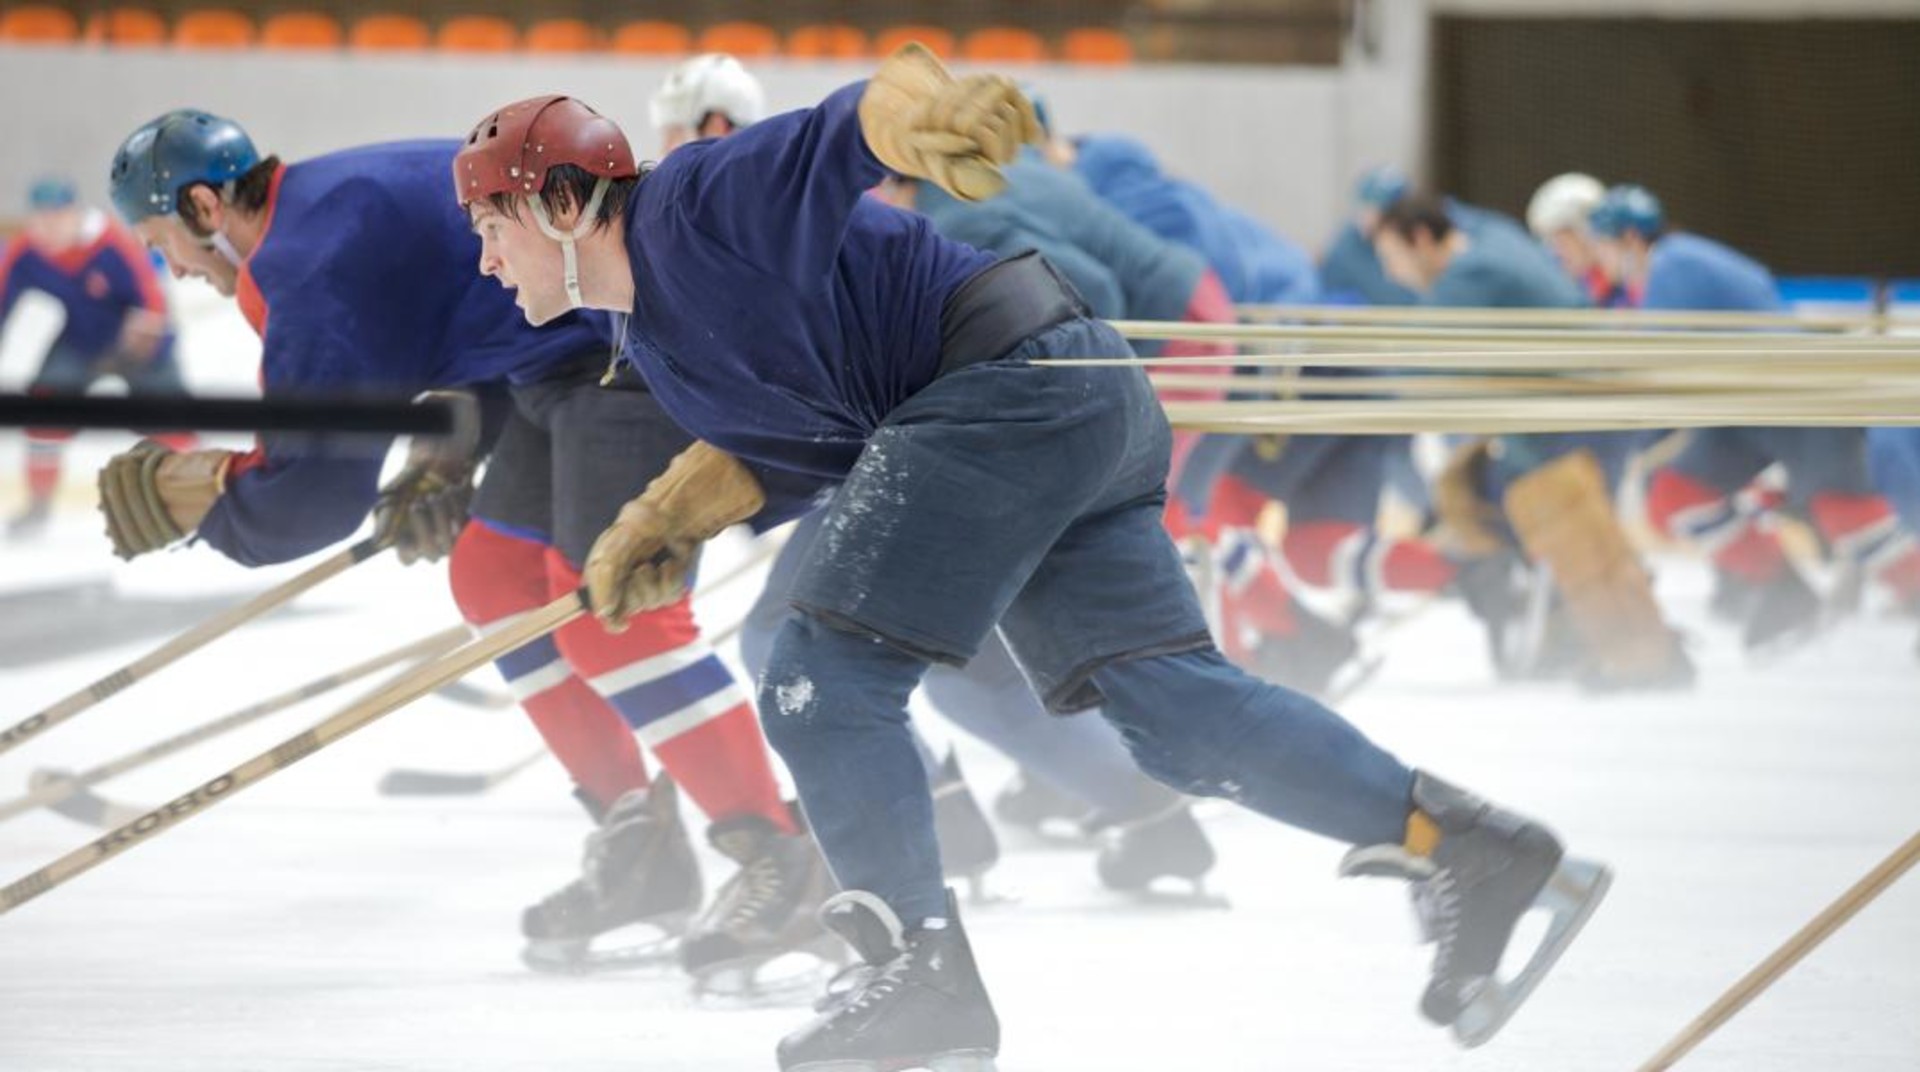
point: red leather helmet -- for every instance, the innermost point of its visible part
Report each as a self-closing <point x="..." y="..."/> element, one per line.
<point x="511" y="151"/>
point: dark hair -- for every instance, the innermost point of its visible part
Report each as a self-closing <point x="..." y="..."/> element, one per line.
<point x="1417" y="212"/>
<point x="569" y="185"/>
<point x="250" y="192"/>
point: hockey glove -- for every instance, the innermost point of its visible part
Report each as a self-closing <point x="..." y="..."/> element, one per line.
<point x="153" y="496"/>
<point x="641" y="562"/>
<point x="421" y="511"/>
<point x="922" y="122"/>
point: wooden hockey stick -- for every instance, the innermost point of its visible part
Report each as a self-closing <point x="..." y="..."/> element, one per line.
<point x="192" y="640"/>
<point x="410" y="782"/>
<point x="1182" y="329"/>
<point x="51" y="788"/>
<point x="1587" y="318"/>
<point x="1760" y="361"/>
<point x="1751" y="985"/>
<point x="409" y="687"/>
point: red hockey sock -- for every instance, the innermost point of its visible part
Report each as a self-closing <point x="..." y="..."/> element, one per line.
<point x="1754" y="555"/>
<point x="43" y="469"/>
<point x="1682" y="508"/>
<point x="1345" y="554"/>
<point x="495" y="578"/>
<point x="681" y="701"/>
<point x="1865" y="529"/>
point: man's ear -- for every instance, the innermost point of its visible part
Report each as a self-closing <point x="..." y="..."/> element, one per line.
<point x="208" y="211"/>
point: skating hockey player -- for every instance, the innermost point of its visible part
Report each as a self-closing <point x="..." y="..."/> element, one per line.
<point x="1147" y="831"/>
<point x="1705" y="493"/>
<point x="115" y="323"/>
<point x="357" y="273"/>
<point x="796" y="325"/>
<point x="1559" y="215"/>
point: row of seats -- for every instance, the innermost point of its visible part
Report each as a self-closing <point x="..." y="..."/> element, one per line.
<point x="309" y="30"/>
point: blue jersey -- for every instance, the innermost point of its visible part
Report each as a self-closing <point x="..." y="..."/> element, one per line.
<point x="1351" y="271"/>
<point x="1003" y="226"/>
<point x="1154" y="278"/>
<point x="99" y="282"/>
<point x="1504" y="269"/>
<point x="1686" y="271"/>
<point x="1894" y="455"/>
<point x="778" y="313"/>
<point x="1253" y="263"/>
<point x="364" y="283"/>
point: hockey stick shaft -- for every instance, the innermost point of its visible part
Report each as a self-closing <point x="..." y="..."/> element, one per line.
<point x="425" y="647"/>
<point x="1770" y="970"/>
<point x="1429" y="316"/>
<point x="409" y="687"/>
<point x="190" y="641"/>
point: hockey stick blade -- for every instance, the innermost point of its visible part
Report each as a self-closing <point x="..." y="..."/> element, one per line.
<point x="474" y="696"/>
<point x="422" y="783"/>
<point x="82" y="804"/>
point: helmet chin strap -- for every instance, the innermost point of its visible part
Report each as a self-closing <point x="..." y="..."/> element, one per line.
<point x="569" y="251"/>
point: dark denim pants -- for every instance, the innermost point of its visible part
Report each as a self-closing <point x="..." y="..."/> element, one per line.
<point x="1031" y="497"/>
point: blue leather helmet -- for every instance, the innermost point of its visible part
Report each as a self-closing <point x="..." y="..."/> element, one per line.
<point x="1629" y="208"/>
<point x="178" y="149"/>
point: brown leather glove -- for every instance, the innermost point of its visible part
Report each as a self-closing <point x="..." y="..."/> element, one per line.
<point x="421" y="510"/>
<point x="922" y="122"/>
<point x="153" y="496"/>
<point x="641" y="562"/>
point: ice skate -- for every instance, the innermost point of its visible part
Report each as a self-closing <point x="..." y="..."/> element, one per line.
<point x="639" y="885"/>
<point x="1785" y="612"/>
<point x="915" y="1002"/>
<point x="1476" y="870"/>
<point x="968" y="845"/>
<point x="765" y="912"/>
<point x="1144" y="857"/>
<point x="1033" y="806"/>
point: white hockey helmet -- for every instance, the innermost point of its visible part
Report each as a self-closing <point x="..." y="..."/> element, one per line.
<point x="703" y="85"/>
<point x="1563" y="203"/>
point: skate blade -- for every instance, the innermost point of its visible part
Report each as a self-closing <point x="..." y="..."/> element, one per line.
<point x="956" y="1061"/>
<point x="1571" y="895"/>
<point x="1352" y="677"/>
<point x="634" y="947"/>
<point x="794" y="976"/>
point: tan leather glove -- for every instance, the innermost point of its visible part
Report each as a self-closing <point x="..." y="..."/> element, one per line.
<point x="422" y="509"/>
<point x="923" y="122"/>
<point x="641" y="562"/>
<point x="153" y="496"/>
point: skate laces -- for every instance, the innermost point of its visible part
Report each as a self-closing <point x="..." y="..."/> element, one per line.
<point x="755" y="888"/>
<point x="1436" y="903"/>
<point x="880" y="982"/>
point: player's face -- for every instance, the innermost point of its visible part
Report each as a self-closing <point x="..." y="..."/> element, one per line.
<point x="188" y="256"/>
<point x="1399" y="259"/>
<point x="523" y="260"/>
<point x="55" y="228"/>
<point x="1574" y="249"/>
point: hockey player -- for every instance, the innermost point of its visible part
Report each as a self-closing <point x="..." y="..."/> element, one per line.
<point x="797" y="326"/>
<point x="358" y="276"/>
<point x="1147" y="830"/>
<point x="116" y="322"/>
<point x="1554" y="491"/>
<point x="1350" y="269"/>
<point x="1894" y="455"/>
<point x="1331" y="485"/>
<point x="1703" y="493"/>
<point x="1558" y="215"/>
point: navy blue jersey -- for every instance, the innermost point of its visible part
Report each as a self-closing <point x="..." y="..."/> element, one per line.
<point x="1351" y="271"/>
<point x="365" y="283"/>
<point x="1006" y="227"/>
<point x="98" y="281"/>
<point x="1504" y="268"/>
<point x="1253" y="263"/>
<point x="779" y="313"/>
<point x="1687" y="271"/>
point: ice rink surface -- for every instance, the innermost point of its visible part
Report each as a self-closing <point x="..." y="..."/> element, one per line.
<point x="309" y="923"/>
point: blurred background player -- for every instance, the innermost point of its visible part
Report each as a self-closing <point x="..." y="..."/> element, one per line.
<point x="357" y="271"/>
<point x="116" y="322"/>
<point x="1559" y="215"/>
<point x="1707" y="494"/>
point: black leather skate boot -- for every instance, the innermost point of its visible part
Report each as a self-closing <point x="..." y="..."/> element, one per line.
<point x="768" y="908"/>
<point x="1032" y="804"/>
<point x="1167" y="844"/>
<point x="639" y="868"/>
<point x="919" y="1004"/>
<point x="1476" y="869"/>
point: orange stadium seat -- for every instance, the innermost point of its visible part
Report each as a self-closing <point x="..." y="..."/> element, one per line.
<point x="213" y="27"/>
<point x="651" y="37"/>
<point x="1003" y="44"/>
<point x="301" y="30"/>
<point x="832" y="41"/>
<point x="562" y="35"/>
<point x="477" y="33"/>
<point x="389" y="33"/>
<point x="1093" y="44"/>
<point x="125" y="27"/>
<point x="743" y="39"/>
<point x="39" y="25"/>
<point x="937" y="40"/>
